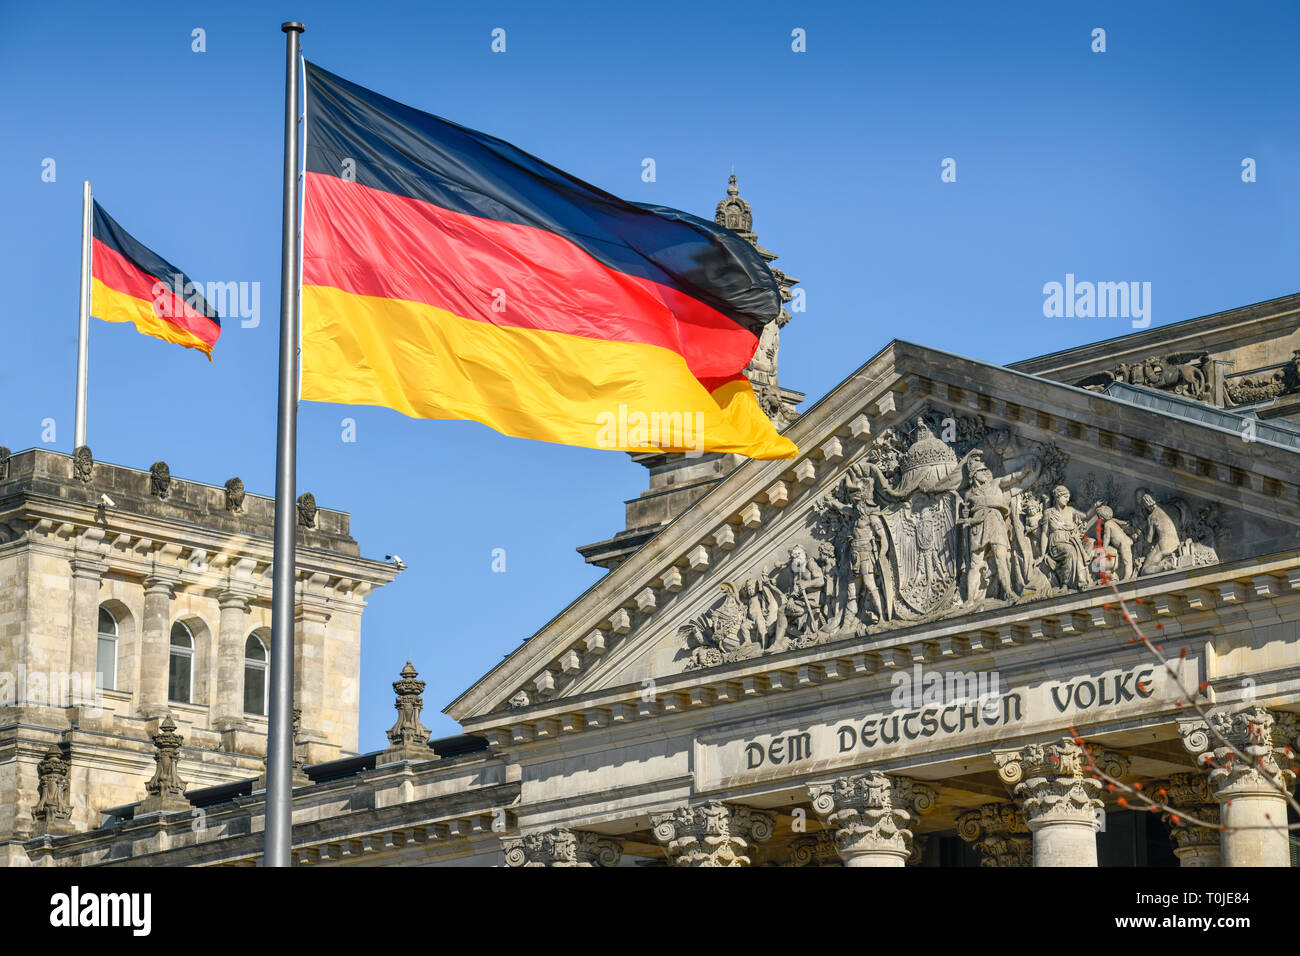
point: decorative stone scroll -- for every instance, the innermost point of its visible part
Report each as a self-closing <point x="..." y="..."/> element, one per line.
<point x="815" y="849"/>
<point x="561" y="846"/>
<point x="712" y="834"/>
<point x="869" y="815"/>
<point x="999" y="834"/>
<point x="913" y="533"/>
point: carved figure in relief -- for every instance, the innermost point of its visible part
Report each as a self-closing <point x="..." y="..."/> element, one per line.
<point x="1115" y="540"/>
<point x="987" y="509"/>
<point x="1062" y="541"/>
<point x="802" y="607"/>
<point x="869" y="556"/>
<point x="1161" y="537"/>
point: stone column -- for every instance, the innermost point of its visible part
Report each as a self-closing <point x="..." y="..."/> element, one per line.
<point x="83" y="656"/>
<point x="1191" y="798"/>
<point x="560" y="846"/>
<point x="869" y="814"/>
<point x="714" y="834"/>
<point x="999" y="833"/>
<point x="1251" y="792"/>
<point x="155" y="643"/>
<point x="232" y="632"/>
<point x="1058" y="795"/>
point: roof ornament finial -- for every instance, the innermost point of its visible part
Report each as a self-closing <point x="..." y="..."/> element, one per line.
<point x="732" y="188"/>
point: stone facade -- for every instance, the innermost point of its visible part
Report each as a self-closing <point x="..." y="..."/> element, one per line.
<point x="91" y="551"/>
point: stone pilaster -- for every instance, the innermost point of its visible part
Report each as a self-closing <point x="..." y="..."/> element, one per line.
<point x="166" y="788"/>
<point x="869" y="814"/>
<point x="1191" y="798"/>
<point x="311" y="617"/>
<point x="1059" y="797"/>
<point x="155" y="644"/>
<point x="713" y="834"/>
<point x="408" y="738"/>
<point x="232" y="633"/>
<point x="1251" y="792"/>
<point x="87" y="573"/>
<point x="561" y="846"/>
<point x="999" y="834"/>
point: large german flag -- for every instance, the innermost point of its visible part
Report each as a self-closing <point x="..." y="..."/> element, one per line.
<point x="448" y="274"/>
<point x="131" y="283"/>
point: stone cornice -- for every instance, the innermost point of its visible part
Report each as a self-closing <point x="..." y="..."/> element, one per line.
<point x="1184" y="602"/>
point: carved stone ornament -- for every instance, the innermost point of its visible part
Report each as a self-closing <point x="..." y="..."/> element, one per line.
<point x="562" y="847"/>
<point x="306" y="510"/>
<point x="1183" y="373"/>
<point x="920" y="528"/>
<point x="1191" y="798"/>
<point x="713" y="834"/>
<point x="1053" y="783"/>
<point x="235" y="495"/>
<point x="999" y="834"/>
<point x="1265" y="385"/>
<point x="166" y="788"/>
<point x="5" y="454"/>
<point x="408" y="738"/>
<point x="83" y="463"/>
<point x="815" y="849"/>
<point x="1254" y="731"/>
<point x="53" y="805"/>
<point x="869" y="813"/>
<point x="160" y="479"/>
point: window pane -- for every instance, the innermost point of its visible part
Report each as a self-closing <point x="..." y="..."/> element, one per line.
<point x="106" y="663"/>
<point x="178" y="678"/>
<point x="255" y="690"/>
<point x="253" y="649"/>
<point x="107" y="623"/>
<point x="181" y="636"/>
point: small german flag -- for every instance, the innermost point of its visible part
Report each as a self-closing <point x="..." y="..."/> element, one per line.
<point x="449" y="274"/>
<point x="131" y="283"/>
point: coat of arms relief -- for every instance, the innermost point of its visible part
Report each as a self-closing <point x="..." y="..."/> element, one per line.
<point x="946" y="517"/>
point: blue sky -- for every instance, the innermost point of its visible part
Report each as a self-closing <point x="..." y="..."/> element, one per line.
<point x="1115" y="166"/>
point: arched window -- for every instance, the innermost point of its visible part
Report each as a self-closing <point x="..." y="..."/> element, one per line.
<point x="254" y="675"/>
<point x="106" y="651"/>
<point x="180" y="671"/>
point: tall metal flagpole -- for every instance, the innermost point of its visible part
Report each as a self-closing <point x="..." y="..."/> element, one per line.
<point x="83" y="327"/>
<point x="279" y="755"/>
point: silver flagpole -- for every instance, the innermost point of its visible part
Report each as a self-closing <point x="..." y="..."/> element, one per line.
<point x="279" y="754"/>
<point x="83" y="327"/>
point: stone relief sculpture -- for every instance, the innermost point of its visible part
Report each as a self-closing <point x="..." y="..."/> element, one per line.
<point x="919" y="528"/>
<point x="1249" y="389"/>
<point x="160" y="479"/>
<point x="83" y="463"/>
<point x="306" y="510"/>
<point x="235" y="495"/>
<point x="53" y="774"/>
<point x="4" y="462"/>
<point x="1183" y="373"/>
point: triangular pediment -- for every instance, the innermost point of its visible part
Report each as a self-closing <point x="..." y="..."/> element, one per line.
<point x="925" y="493"/>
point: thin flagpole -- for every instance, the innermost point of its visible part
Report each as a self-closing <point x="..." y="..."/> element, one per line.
<point x="279" y="755"/>
<point x="83" y="326"/>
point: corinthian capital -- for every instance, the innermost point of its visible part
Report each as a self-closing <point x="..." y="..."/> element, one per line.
<point x="712" y="834"/>
<point x="561" y="846"/>
<point x="870" y="812"/>
<point x="1256" y="733"/>
<point x="999" y="833"/>
<point x="1054" y="782"/>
